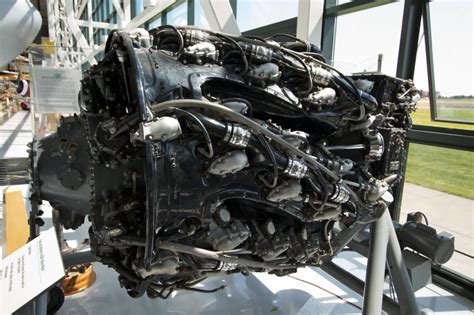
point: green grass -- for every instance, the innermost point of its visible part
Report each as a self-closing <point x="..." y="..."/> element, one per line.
<point x="441" y="169"/>
<point x="437" y="168"/>
<point x="467" y="103"/>
<point x="462" y="114"/>
<point x="422" y="117"/>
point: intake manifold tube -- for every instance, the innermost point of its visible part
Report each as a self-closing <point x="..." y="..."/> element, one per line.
<point x="229" y="113"/>
<point x="204" y="253"/>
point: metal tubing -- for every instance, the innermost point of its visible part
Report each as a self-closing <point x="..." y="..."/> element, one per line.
<point x="344" y="237"/>
<point x="398" y="271"/>
<point x="204" y="253"/>
<point x="58" y="227"/>
<point x="83" y="256"/>
<point x="374" y="280"/>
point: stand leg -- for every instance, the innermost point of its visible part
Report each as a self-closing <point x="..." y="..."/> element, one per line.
<point x="374" y="280"/>
<point x="346" y="236"/>
<point x="59" y="229"/>
<point x="398" y="271"/>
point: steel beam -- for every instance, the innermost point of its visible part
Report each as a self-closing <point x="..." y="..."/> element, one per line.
<point x="310" y="20"/>
<point x="233" y="4"/>
<point x="94" y="24"/>
<point x="344" y="237"/>
<point x="191" y="11"/>
<point x="410" y="32"/>
<point x="127" y="11"/>
<point x="429" y="59"/>
<point x="76" y="31"/>
<point x="328" y="42"/>
<point x="90" y="57"/>
<point x="442" y="137"/>
<point x="220" y="16"/>
<point x="52" y="20"/>
<point x="354" y="6"/>
<point x="149" y="13"/>
<point x="286" y="26"/>
<point x="90" y="28"/>
<point x="80" y="6"/>
<point x="409" y="38"/>
<point x="120" y="13"/>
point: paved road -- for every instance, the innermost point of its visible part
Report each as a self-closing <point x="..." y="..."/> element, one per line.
<point x="448" y="213"/>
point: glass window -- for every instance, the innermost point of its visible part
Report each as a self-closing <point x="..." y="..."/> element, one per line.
<point x="154" y="23"/>
<point x="137" y="7"/>
<point x="256" y="13"/>
<point x="178" y="15"/>
<point x="452" y="32"/>
<point x="440" y="183"/>
<point x="363" y="35"/>
<point x="199" y="17"/>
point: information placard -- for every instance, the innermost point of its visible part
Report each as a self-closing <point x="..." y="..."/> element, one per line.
<point x="55" y="90"/>
<point x="30" y="270"/>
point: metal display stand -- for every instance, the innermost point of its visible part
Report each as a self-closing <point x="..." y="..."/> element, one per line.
<point x="383" y="251"/>
<point x="384" y="247"/>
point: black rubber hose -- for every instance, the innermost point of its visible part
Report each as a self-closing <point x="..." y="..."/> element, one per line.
<point x="193" y="117"/>
<point x="229" y="113"/>
<point x="271" y="155"/>
<point x="242" y="52"/>
<point x="219" y="129"/>
<point x="178" y="34"/>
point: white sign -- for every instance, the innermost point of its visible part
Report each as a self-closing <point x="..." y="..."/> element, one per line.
<point x="55" y="90"/>
<point x="30" y="270"/>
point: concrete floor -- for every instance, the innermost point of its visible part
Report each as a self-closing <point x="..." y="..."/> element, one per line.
<point x="309" y="291"/>
<point x="15" y="133"/>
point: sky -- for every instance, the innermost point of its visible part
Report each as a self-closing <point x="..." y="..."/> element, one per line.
<point x="361" y="36"/>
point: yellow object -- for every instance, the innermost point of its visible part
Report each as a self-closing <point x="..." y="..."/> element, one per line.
<point x="77" y="279"/>
<point x="15" y="220"/>
<point x="48" y="47"/>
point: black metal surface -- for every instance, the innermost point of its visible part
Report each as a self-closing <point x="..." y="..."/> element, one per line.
<point x="191" y="11"/>
<point x="233" y="5"/>
<point x="354" y="6"/>
<point x="286" y="26"/>
<point x="328" y="42"/>
<point x="425" y="240"/>
<point x="429" y="59"/>
<point x="411" y="23"/>
<point x="74" y="258"/>
<point x="453" y="282"/>
<point x="442" y="137"/>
